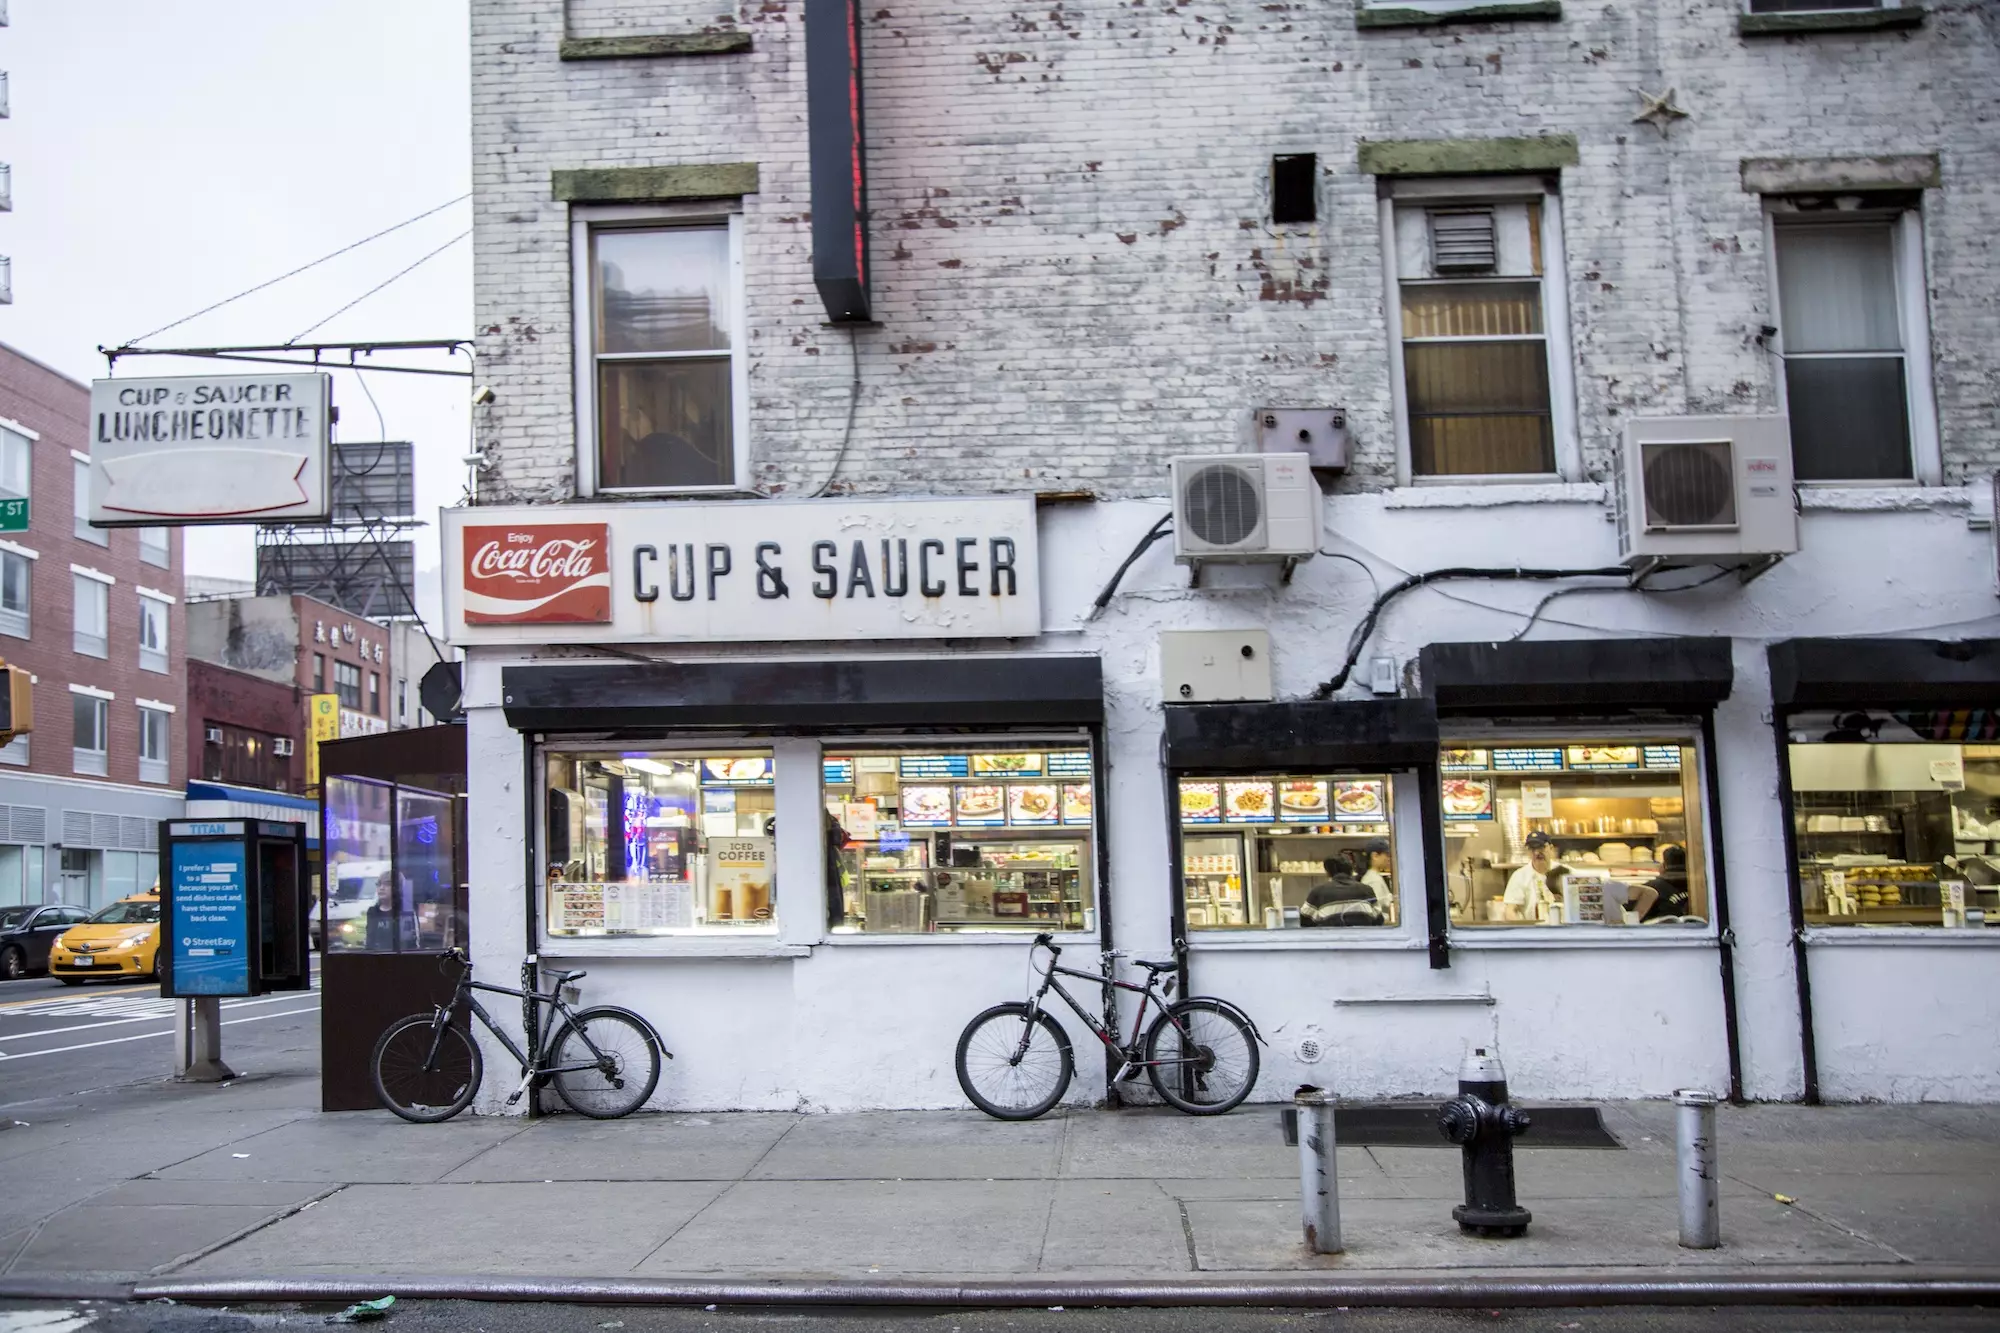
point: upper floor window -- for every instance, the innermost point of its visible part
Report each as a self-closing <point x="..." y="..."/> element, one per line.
<point x="319" y="673"/>
<point x="153" y="743"/>
<point x="661" y="388"/>
<point x="84" y="532"/>
<point x="91" y="727"/>
<point x="152" y="634"/>
<point x="16" y="465"/>
<point x="347" y="684"/>
<point x="153" y="548"/>
<point x="17" y="581"/>
<point x="1851" y="322"/>
<point x="93" y="615"/>
<point x="375" y="693"/>
<point x="1484" y="340"/>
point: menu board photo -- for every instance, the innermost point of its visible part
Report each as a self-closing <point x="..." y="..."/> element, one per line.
<point x="1077" y="804"/>
<point x="1302" y="798"/>
<point x="1587" y="757"/>
<point x="1033" y="803"/>
<point x="1468" y="798"/>
<point x="1465" y="761"/>
<point x="737" y="772"/>
<point x="1250" y="802"/>
<point x="1008" y="765"/>
<point x="1363" y="799"/>
<point x="926" y="807"/>
<point x="981" y="805"/>
<point x="1201" y="802"/>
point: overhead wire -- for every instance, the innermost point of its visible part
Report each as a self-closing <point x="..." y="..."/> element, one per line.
<point x="398" y="276"/>
<point x="249" y="291"/>
<point x="853" y="403"/>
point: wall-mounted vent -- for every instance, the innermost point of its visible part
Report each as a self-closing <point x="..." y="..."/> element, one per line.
<point x="1463" y="240"/>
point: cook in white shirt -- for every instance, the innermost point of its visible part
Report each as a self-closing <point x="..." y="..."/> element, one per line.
<point x="1528" y="887"/>
<point x="1381" y="865"/>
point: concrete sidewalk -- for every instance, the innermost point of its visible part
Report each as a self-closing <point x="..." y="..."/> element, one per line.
<point x="249" y="1180"/>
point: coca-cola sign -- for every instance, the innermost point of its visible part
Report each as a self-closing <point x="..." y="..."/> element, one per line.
<point x="537" y="574"/>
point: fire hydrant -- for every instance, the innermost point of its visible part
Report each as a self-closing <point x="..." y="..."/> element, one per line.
<point x="1481" y="1122"/>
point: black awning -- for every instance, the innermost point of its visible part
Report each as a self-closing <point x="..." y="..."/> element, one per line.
<point x="1302" y="734"/>
<point x="760" y="695"/>
<point x="1576" y="675"/>
<point x="1885" y="673"/>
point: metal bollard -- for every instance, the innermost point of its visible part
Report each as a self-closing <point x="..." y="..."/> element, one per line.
<point x="1319" y="1185"/>
<point x="1694" y="1155"/>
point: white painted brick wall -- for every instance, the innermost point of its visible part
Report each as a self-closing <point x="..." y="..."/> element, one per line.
<point x="1073" y="269"/>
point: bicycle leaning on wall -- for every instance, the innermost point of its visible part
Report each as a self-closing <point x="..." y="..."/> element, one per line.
<point x="603" y="1061"/>
<point x="1014" y="1060"/>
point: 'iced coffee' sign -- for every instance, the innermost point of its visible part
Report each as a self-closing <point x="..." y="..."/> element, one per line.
<point x="209" y="449"/>
<point x="743" y="571"/>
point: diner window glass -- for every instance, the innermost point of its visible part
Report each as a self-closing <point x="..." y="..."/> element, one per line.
<point x="426" y="868"/>
<point x="367" y="909"/>
<point x="1284" y="851"/>
<point x="1604" y="831"/>
<point x="652" y="842"/>
<point x="1896" y="817"/>
<point x="951" y="838"/>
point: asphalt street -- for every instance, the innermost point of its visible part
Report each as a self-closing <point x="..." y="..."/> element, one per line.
<point x="475" y="1317"/>
<point x="58" y="1040"/>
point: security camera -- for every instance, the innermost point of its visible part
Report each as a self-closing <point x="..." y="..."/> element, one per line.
<point x="483" y="395"/>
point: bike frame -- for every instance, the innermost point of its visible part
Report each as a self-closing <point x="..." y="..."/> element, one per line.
<point x="1107" y="983"/>
<point x="538" y="1069"/>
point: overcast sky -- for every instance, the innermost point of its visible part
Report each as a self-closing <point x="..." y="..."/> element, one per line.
<point x="168" y="155"/>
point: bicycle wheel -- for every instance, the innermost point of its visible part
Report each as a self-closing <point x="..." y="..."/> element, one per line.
<point x="1013" y="1069"/>
<point x="415" y="1092"/>
<point x="1201" y="1057"/>
<point x="624" y="1062"/>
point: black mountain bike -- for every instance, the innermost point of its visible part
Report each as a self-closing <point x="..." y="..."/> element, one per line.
<point x="1014" y="1060"/>
<point x="603" y="1061"/>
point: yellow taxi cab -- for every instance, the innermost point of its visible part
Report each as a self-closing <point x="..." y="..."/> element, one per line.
<point x="122" y="940"/>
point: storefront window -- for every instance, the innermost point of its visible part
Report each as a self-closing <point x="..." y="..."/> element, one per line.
<point x="660" y="843"/>
<point x="1599" y="832"/>
<point x="1288" y="850"/>
<point x="953" y="838"/>
<point x="364" y="910"/>
<point x="1892" y="826"/>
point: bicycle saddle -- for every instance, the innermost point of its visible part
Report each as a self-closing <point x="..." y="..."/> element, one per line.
<point x="1167" y="966"/>
<point x="564" y="978"/>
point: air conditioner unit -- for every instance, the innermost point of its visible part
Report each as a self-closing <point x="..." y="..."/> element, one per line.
<point x="1245" y="508"/>
<point x="1707" y="490"/>
<point x="213" y="735"/>
<point x="281" y="746"/>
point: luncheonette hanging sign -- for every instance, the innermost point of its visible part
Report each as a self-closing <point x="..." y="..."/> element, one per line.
<point x="742" y="571"/>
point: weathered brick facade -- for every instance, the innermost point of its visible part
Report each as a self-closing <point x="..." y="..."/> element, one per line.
<point x="245" y="707"/>
<point x="1074" y="269"/>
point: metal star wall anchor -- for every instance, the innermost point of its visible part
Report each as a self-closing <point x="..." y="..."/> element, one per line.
<point x="1659" y="112"/>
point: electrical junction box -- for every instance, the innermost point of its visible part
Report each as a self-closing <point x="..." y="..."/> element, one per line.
<point x="1199" y="666"/>
<point x="1320" y="433"/>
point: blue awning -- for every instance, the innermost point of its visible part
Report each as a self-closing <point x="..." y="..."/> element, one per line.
<point x="218" y="800"/>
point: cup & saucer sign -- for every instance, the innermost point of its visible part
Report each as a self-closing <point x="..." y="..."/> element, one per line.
<point x="743" y="571"/>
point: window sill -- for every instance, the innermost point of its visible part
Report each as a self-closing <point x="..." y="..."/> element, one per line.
<point x="647" y="45"/>
<point x="1864" y="937"/>
<point x="1367" y="16"/>
<point x="1860" y="497"/>
<point x="670" y="946"/>
<point x="1494" y="495"/>
<point x="1859" y="20"/>
<point x="1582" y="937"/>
<point x="1344" y="938"/>
<point x="1015" y="939"/>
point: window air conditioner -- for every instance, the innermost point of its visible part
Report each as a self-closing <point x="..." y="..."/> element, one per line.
<point x="213" y="735"/>
<point x="1707" y="490"/>
<point x="281" y="746"/>
<point x="1245" y="508"/>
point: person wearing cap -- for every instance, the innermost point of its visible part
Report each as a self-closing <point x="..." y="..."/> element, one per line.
<point x="1528" y="887"/>
<point x="1381" y="865"/>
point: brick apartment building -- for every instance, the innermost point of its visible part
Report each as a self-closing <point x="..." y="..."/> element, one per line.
<point x="297" y="643"/>
<point x="97" y="618"/>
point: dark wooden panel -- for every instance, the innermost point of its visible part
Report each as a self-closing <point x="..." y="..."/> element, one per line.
<point x="360" y="995"/>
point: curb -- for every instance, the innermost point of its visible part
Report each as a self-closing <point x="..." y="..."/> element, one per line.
<point x="1520" y="1293"/>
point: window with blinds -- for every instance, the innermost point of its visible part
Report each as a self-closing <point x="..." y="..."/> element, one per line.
<point x="1475" y="342"/>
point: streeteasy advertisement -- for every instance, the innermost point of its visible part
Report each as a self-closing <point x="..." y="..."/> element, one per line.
<point x="209" y="919"/>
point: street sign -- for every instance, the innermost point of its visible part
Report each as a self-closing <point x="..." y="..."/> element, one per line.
<point x="322" y="724"/>
<point x="14" y="515"/>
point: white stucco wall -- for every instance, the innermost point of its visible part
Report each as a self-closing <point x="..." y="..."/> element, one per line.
<point x="857" y="1023"/>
